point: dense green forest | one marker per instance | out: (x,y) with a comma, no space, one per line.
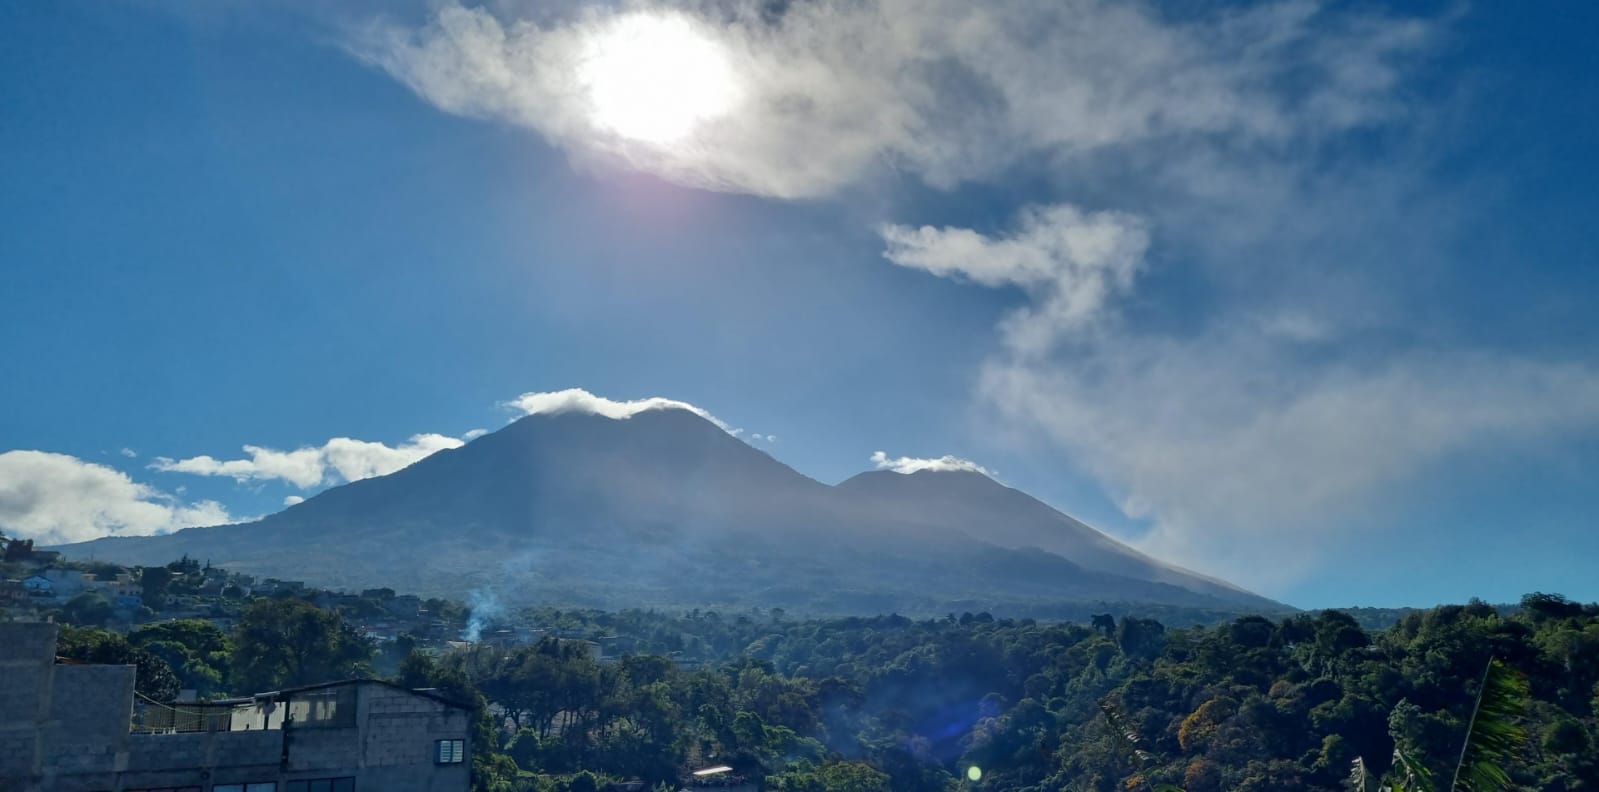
(963,702)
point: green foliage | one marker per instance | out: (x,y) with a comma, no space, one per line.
(153,584)
(831,777)
(290,642)
(197,651)
(1495,736)
(1408,775)
(89,609)
(153,678)
(185,566)
(887,702)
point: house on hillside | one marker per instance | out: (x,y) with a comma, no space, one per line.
(120,586)
(38,586)
(511,637)
(79,728)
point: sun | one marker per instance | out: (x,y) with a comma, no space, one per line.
(655,78)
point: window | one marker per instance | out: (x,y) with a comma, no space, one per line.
(451,752)
(320,785)
(266,786)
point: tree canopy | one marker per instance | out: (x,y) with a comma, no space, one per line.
(290,642)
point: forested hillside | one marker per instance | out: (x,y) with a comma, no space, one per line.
(976,702)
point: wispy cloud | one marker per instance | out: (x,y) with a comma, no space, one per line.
(1248,462)
(340,459)
(1071,262)
(882,461)
(1236,445)
(57,498)
(947,90)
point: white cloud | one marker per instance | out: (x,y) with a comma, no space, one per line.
(354,460)
(339,459)
(913,464)
(948,90)
(304,467)
(579,400)
(344,459)
(129,453)
(56,499)
(293,500)
(1071,262)
(766,438)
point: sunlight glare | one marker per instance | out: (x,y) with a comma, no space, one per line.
(654,78)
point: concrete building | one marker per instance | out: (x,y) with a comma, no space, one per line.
(120,586)
(77,728)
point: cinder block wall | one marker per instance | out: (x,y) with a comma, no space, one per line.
(27,657)
(91,708)
(61,726)
(398,741)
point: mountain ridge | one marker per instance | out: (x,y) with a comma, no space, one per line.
(665,508)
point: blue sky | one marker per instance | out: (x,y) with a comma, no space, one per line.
(1301,295)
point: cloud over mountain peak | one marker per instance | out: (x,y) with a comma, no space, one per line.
(946,463)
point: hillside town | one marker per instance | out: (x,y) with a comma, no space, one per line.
(40,585)
(152,646)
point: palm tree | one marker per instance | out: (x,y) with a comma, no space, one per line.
(1495,733)
(1493,736)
